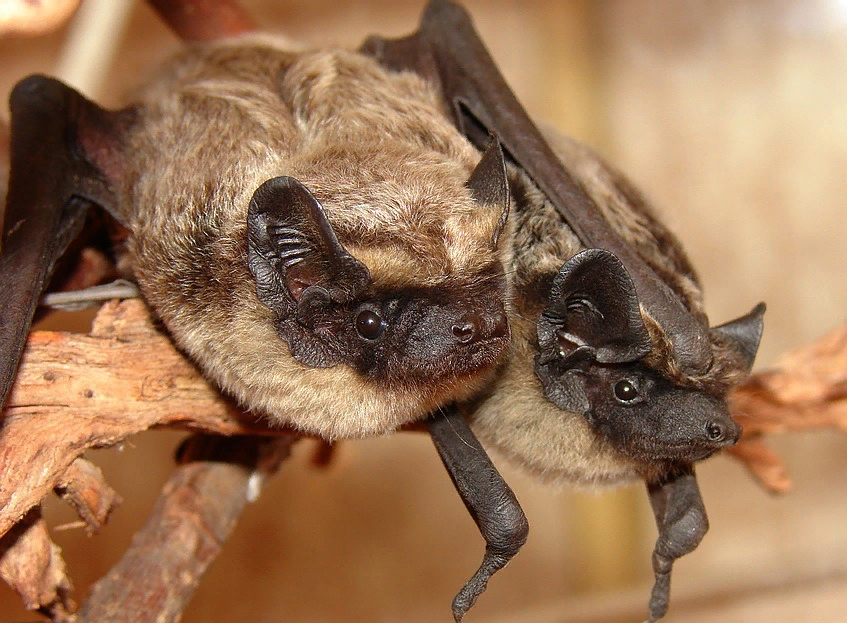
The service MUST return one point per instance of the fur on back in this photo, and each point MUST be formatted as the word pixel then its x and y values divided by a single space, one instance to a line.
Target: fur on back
pixel 373 147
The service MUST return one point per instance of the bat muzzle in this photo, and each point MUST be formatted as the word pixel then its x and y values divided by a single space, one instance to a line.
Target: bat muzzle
pixel 477 327
pixel 725 432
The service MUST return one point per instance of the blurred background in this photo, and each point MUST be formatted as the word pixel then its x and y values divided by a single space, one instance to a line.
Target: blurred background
pixel 732 116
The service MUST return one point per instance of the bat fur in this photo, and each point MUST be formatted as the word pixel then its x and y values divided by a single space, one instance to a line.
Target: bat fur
pixel 416 243
pixel 514 417
pixel 625 312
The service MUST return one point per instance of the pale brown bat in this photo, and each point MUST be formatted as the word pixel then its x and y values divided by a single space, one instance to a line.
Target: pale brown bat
pixel 312 230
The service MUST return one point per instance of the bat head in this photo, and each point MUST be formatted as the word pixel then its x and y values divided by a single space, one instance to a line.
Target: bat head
pixel 593 360
pixel 331 307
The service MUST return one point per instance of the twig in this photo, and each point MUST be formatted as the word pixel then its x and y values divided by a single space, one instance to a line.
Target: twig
pixel 806 390
pixel 204 20
pixel 193 517
pixel 82 486
pixel 31 564
pixel 74 392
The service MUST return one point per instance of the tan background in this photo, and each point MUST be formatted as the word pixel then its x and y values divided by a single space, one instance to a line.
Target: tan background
pixel 733 117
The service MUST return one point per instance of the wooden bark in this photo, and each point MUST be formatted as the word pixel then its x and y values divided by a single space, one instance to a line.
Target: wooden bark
pixel 204 20
pixel 807 389
pixel 31 564
pixel 82 486
pixel 196 511
pixel 74 392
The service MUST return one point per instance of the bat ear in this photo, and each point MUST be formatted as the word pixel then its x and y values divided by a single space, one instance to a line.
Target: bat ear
pixel 744 333
pixel 293 252
pixel 593 305
pixel 490 186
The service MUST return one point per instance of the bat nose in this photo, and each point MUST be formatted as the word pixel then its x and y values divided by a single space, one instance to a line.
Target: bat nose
pixel 466 331
pixel 727 432
pixel 478 326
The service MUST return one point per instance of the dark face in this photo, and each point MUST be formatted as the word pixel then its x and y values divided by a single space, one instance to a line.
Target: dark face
pixel 591 340
pixel 648 417
pixel 413 336
pixel 330 311
pixel 641 413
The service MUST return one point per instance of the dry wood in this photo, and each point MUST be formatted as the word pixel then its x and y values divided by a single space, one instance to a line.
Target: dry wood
pixel 74 392
pixel 807 389
pixel 192 519
pixel 204 20
pixel 31 564
pixel 82 486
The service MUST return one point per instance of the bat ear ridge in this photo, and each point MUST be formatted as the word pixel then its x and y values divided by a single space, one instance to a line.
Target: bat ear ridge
pixel 593 304
pixel 293 252
pixel 489 184
pixel 744 333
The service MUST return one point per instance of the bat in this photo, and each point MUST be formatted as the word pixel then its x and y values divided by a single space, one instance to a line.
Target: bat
pixel 614 373
pixel 302 223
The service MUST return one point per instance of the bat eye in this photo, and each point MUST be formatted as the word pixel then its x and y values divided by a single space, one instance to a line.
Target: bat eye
pixel 626 391
pixel 369 324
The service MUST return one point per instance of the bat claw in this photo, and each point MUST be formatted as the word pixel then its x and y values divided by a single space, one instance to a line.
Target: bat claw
pixel 470 592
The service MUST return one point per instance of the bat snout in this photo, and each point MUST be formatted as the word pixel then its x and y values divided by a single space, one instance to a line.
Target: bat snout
pixel 478 326
pixel 724 432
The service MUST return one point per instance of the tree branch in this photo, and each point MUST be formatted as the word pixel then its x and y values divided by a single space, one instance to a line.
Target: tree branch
pixel 196 511
pixel 75 392
pixel 807 389
pixel 31 564
pixel 204 20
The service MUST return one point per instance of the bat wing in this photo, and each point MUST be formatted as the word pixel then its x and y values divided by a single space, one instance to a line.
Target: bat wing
pixel 447 50
pixel 63 150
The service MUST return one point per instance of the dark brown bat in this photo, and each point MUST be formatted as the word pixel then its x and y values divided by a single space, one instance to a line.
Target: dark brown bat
pixel 614 373
pixel 311 229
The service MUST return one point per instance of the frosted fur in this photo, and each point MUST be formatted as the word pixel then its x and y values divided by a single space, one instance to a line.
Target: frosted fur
pixel 513 417
pixel 377 152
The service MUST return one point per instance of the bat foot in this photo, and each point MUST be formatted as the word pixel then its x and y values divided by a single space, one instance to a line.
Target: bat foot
pixel 491 502
pixel 505 532
pixel 660 595
pixel 682 523
pixel 470 592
